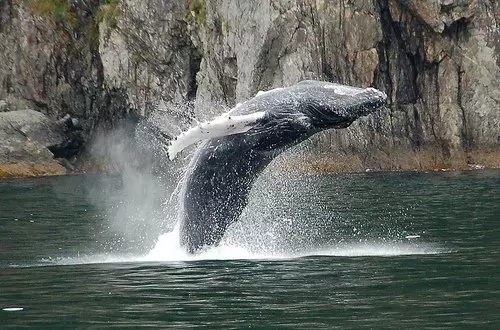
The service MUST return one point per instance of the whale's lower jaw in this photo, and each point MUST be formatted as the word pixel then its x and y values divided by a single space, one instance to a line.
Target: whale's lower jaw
pixel 223 169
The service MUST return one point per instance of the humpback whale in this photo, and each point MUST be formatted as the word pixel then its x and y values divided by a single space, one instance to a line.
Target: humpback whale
pixel 238 145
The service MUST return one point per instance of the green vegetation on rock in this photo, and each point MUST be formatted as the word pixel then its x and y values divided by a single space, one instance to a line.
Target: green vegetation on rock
pixel 198 9
pixel 225 25
pixel 109 13
pixel 55 11
pixel 61 12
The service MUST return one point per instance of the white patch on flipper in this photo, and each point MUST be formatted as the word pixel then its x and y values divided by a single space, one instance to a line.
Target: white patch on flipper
pixel 344 90
pixel 221 126
pixel 260 93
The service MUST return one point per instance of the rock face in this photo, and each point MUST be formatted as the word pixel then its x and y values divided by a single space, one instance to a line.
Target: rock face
pixel 27 136
pixel 438 60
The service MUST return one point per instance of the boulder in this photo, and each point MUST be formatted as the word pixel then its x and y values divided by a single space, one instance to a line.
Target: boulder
pixel 27 135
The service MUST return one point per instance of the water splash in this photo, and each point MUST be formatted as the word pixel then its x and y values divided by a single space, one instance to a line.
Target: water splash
pixel 168 250
pixel 268 229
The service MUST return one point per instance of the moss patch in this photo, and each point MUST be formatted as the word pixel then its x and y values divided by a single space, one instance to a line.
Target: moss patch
pixel 197 10
pixel 109 13
pixel 60 12
pixel 55 11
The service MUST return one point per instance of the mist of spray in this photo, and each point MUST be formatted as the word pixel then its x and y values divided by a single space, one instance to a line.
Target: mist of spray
pixel 141 200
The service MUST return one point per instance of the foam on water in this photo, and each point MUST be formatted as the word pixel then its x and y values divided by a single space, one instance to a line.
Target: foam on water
pixel 169 250
pixel 375 249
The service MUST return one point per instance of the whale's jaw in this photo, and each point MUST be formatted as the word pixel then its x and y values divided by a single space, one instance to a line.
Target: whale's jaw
pixel 331 105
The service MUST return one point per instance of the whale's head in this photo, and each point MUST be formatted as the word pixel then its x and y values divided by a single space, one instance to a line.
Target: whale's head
pixel 331 105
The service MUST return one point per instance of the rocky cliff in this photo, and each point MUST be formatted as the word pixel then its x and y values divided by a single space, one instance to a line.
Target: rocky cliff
pixel 89 64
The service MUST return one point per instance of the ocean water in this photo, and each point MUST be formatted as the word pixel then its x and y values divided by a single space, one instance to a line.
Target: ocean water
pixel 371 250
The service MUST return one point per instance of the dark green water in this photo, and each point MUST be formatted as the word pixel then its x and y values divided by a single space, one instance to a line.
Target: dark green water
pixel 375 250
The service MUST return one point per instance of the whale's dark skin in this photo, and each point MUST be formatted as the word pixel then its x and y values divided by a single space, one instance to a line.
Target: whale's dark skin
pixel 222 170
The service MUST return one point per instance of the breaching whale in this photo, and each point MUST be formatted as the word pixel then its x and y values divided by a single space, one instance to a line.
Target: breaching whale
pixel 238 145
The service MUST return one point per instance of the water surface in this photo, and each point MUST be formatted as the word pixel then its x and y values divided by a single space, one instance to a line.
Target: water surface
pixel 372 250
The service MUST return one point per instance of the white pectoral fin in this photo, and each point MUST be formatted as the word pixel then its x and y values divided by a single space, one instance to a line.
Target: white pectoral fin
pixel 221 126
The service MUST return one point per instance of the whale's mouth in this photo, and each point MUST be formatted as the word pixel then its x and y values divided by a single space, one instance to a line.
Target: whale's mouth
pixel 375 100
pixel 338 106
pixel 362 103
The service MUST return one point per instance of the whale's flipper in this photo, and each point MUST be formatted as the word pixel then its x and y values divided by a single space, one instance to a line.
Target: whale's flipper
pixel 241 143
pixel 223 125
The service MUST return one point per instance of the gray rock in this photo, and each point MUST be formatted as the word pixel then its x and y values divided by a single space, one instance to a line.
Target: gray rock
pixel 438 60
pixel 3 106
pixel 26 136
